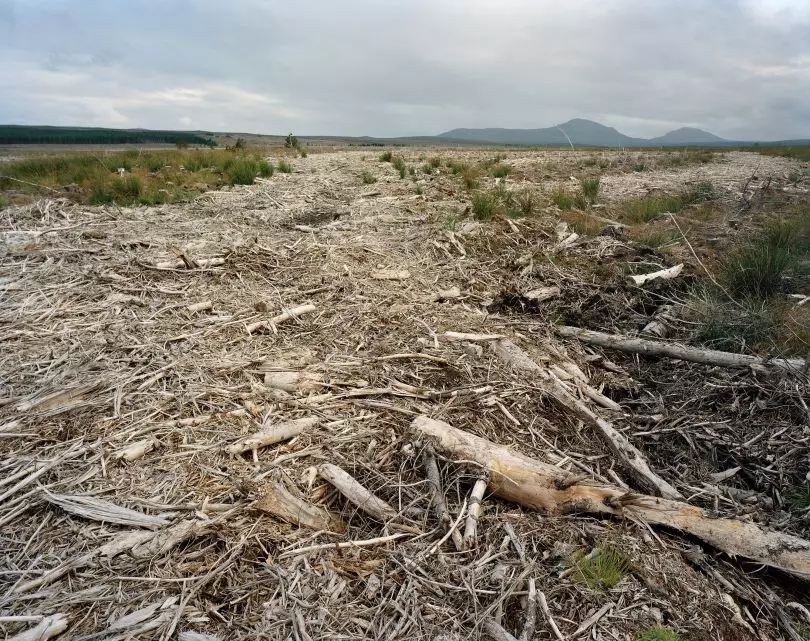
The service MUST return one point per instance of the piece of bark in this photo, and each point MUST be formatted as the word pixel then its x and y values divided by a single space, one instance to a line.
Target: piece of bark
pixel 629 456
pixel 279 502
pixel 273 434
pixel 49 627
pixel 390 274
pixel 465 336
pixel 136 450
pixel 356 493
pixel 495 630
pixel 202 306
pixel 663 274
pixel 447 294
pixel 542 294
pixel 679 351
pixel 534 484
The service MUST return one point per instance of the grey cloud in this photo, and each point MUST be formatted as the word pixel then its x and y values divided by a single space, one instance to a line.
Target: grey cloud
pixel 739 68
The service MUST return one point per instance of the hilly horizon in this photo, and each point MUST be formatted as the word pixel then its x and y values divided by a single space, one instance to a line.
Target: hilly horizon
pixel 583 133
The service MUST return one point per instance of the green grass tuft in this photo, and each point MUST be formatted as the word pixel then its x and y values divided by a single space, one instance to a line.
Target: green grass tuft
pixel 799 497
pixel 563 199
pixel 284 166
pixel 367 177
pixel 386 156
pixel 603 571
pixel 435 162
pixel 658 633
pixel 241 170
pixel 265 169
pixel 590 188
pixel 500 170
pixel 483 205
pixel 525 202
pixel 470 178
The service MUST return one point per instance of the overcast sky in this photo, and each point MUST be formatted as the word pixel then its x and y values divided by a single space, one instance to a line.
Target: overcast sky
pixel 739 68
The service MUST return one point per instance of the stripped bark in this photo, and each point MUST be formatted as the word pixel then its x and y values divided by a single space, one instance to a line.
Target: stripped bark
pixel 679 351
pixel 474 512
pixel 437 499
pixel 533 484
pixel 629 456
pixel 356 493
pixel 279 502
pixel 273 434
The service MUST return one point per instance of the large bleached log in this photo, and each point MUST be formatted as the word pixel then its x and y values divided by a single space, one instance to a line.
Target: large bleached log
pixel 679 351
pixel 533 484
pixel 628 455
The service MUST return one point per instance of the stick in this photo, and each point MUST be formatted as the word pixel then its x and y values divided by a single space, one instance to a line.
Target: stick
pixel 295 312
pixel 664 274
pixel 463 336
pixel 496 631
pixel 531 613
pixel 439 505
pixel 471 525
pixel 592 620
pixel 273 434
pixel 544 606
pixel 534 484
pixel 343 545
pixel 679 351
pixel 629 456
pixel 50 626
pixel 202 306
pixel 356 493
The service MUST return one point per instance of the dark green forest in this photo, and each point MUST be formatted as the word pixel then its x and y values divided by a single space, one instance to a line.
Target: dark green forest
pixel 39 135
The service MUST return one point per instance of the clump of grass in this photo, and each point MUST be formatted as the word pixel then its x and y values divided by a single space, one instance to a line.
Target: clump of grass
pixel 284 166
pixel 419 190
pixel 500 170
pixel 603 571
pixel 799 497
pixel 4 202
pixel 646 208
pixel 127 187
pixel 757 269
pixel 456 166
pixel 639 166
pixel 732 327
pixel 386 156
pixel 367 177
pixel 526 203
pixel 242 170
pixel 427 168
pixel 412 170
pixel 470 178
pixel 658 633
pixel 265 169
pixel 563 199
pixel 484 205
pixel 590 188
pixel 435 162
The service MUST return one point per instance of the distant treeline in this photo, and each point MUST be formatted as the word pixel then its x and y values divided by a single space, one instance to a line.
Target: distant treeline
pixel 27 135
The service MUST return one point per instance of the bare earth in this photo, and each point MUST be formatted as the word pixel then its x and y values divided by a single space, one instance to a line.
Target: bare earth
pixel 103 361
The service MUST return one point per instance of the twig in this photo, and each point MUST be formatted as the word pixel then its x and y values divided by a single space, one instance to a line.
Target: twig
pixel 544 607
pixel 531 612
pixel 343 545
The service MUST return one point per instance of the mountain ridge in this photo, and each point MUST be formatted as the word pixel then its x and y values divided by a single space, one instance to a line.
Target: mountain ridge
pixel 583 133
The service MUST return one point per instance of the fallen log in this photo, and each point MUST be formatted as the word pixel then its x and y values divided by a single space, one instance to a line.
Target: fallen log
pixel 534 484
pixel 273 434
pixel 357 493
pixel 279 502
pixel 679 351
pixel 629 456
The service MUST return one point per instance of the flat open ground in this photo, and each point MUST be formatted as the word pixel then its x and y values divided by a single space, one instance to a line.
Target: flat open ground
pixel 128 367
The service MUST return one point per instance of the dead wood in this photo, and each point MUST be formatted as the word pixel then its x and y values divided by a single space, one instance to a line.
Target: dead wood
pixel 628 455
pixel 537 485
pixel 272 434
pixel 356 493
pixel 279 502
pixel 647 347
pixel 49 627
pixel 437 494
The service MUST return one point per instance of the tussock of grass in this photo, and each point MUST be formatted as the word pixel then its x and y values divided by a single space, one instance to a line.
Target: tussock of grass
pixel 603 571
pixel 367 177
pixel 799 497
pixel 563 199
pixel 658 633
pixel 757 269
pixel 435 162
pixel 284 166
pixel 470 178
pixel 427 168
pixel 386 156
pixel 456 166
pixel 500 170
pixel 646 208
pixel 484 205
pixel 590 188
pixel 526 202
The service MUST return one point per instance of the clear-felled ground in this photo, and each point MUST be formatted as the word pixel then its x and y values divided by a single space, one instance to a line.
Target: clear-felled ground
pixel 102 357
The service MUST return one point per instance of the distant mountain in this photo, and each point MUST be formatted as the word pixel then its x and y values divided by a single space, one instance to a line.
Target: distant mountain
pixel 581 133
pixel 686 136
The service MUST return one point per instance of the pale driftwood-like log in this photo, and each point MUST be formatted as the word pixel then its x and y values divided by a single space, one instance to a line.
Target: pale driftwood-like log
pixel 629 456
pixel 534 484
pixel 342 545
pixel 542 294
pixel 202 306
pixel 294 382
pixel 496 631
pixel 136 450
pixel 531 612
pixel 48 628
pixel 294 312
pixel 279 502
pixel 200 263
pixel 676 350
pixel 541 597
pixel 96 509
pixel 465 336
pixel 447 294
pixel 356 493
pixel 437 498
pixel 474 513
pixel 390 274
pixel 663 274
pixel 273 434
